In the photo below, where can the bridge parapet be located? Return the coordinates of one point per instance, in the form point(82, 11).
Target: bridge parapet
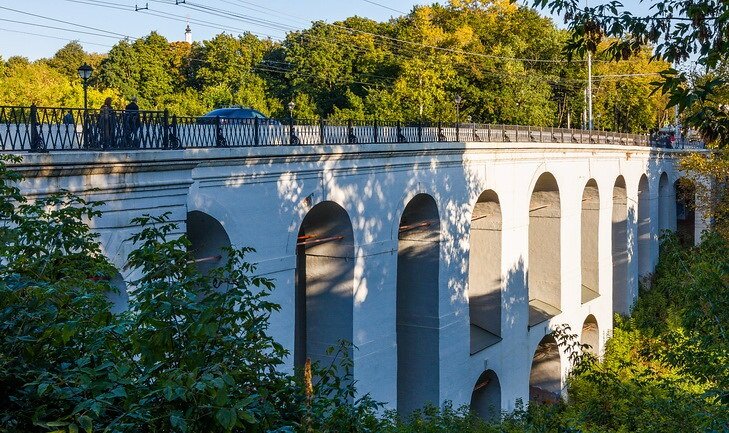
point(40, 129)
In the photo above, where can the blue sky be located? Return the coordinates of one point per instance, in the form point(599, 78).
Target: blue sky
point(107, 21)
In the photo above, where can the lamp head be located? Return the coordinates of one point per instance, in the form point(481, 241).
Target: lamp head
point(85, 71)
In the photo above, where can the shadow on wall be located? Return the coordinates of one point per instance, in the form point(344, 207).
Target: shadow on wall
point(486, 394)
point(620, 258)
point(644, 227)
point(417, 305)
point(484, 273)
point(324, 284)
point(544, 277)
point(589, 236)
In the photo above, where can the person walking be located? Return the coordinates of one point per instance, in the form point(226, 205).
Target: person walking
point(131, 123)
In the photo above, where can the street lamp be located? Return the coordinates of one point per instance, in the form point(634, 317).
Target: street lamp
point(458, 101)
point(292, 134)
point(85, 71)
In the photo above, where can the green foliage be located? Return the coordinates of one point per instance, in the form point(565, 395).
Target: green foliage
point(408, 68)
point(679, 31)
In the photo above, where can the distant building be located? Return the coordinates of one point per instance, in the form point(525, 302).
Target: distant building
point(188, 34)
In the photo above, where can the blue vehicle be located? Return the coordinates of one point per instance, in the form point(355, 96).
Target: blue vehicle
point(236, 115)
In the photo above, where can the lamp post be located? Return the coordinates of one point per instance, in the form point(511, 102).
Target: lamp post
point(85, 71)
point(458, 101)
point(292, 135)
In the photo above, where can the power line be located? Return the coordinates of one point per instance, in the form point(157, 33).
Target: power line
point(54, 37)
point(64, 22)
point(384, 6)
point(58, 28)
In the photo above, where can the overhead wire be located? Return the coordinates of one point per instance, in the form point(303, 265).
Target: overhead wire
point(64, 22)
point(384, 6)
point(53, 37)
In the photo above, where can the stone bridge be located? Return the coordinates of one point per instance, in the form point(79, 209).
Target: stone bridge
point(446, 263)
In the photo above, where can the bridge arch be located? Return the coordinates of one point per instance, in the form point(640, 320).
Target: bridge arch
point(645, 236)
point(590, 225)
point(484, 272)
point(544, 274)
point(685, 211)
point(545, 377)
point(591, 334)
point(666, 204)
point(324, 283)
point(208, 240)
point(486, 396)
point(621, 297)
point(417, 317)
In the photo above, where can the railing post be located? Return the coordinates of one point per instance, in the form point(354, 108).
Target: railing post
point(350, 132)
point(166, 129)
point(488, 132)
point(219, 138)
point(440, 131)
point(374, 131)
point(291, 131)
point(175, 138)
point(321, 131)
point(256, 133)
point(36, 142)
point(458, 138)
point(398, 132)
point(420, 130)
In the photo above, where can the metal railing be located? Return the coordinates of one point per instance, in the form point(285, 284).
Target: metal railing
point(40, 129)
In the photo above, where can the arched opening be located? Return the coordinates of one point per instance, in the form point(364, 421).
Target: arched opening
point(545, 378)
point(644, 227)
point(544, 275)
point(486, 397)
point(208, 241)
point(589, 242)
point(591, 334)
point(686, 212)
point(484, 273)
point(324, 284)
point(621, 299)
point(119, 297)
point(417, 305)
point(666, 204)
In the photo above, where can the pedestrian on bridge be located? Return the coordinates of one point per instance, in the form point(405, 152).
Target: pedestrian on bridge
point(107, 125)
point(131, 124)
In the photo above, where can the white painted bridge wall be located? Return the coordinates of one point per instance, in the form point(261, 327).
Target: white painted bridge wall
point(261, 195)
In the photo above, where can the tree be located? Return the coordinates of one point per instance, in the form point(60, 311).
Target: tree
point(68, 59)
point(677, 30)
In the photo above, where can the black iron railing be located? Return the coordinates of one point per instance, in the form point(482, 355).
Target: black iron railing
point(41, 129)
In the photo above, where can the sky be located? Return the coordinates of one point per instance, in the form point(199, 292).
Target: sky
point(98, 24)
